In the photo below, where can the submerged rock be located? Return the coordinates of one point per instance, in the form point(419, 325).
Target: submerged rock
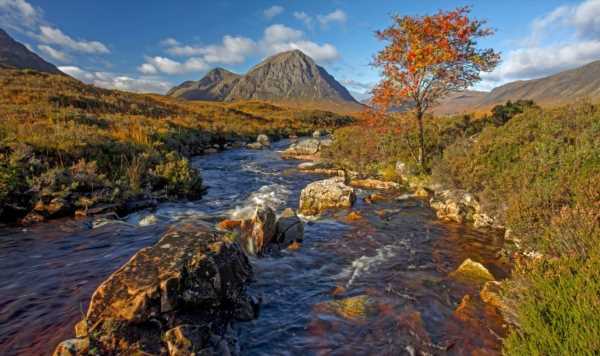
point(326, 194)
point(359, 307)
point(258, 232)
point(193, 278)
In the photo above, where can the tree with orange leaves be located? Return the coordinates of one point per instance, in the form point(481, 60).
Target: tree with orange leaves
point(428, 57)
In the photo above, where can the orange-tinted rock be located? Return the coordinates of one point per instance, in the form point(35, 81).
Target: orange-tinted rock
point(258, 232)
point(192, 273)
point(354, 216)
point(229, 225)
point(490, 294)
point(374, 184)
point(471, 271)
point(294, 246)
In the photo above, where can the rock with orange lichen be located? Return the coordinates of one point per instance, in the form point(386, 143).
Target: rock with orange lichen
point(326, 194)
point(192, 276)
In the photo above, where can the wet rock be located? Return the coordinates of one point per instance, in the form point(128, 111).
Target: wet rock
point(258, 232)
point(356, 308)
point(317, 134)
point(263, 140)
point(421, 192)
point(148, 220)
point(192, 275)
point(490, 294)
point(290, 229)
point(472, 271)
point(326, 194)
point(229, 225)
point(374, 184)
point(373, 198)
point(32, 217)
point(354, 216)
point(305, 147)
point(72, 347)
point(454, 205)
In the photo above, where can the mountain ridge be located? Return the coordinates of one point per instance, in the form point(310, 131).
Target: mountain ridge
point(14, 55)
point(286, 76)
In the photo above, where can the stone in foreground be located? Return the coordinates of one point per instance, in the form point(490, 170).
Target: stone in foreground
point(326, 194)
point(191, 285)
point(290, 229)
point(473, 271)
point(258, 232)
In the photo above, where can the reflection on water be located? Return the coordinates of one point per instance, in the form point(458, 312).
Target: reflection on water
point(374, 286)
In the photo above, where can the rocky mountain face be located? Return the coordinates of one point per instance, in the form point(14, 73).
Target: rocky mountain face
point(287, 76)
point(215, 86)
point(14, 55)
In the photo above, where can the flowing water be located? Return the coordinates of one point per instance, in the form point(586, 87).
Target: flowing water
point(376, 285)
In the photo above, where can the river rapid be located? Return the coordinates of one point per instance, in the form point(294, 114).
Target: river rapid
point(376, 285)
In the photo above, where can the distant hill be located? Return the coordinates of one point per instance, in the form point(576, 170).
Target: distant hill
point(215, 86)
point(285, 77)
point(14, 55)
point(557, 89)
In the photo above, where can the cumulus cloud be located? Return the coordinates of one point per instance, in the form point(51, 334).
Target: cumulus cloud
point(54, 53)
point(579, 26)
point(169, 66)
point(55, 36)
point(357, 86)
point(169, 42)
point(232, 50)
point(335, 16)
point(278, 38)
point(16, 14)
point(273, 11)
point(116, 81)
point(235, 50)
point(304, 18)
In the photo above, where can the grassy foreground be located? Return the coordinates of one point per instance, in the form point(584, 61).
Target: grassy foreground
point(66, 146)
point(539, 172)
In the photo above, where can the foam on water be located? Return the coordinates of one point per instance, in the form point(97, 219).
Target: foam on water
point(273, 196)
point(364, 264)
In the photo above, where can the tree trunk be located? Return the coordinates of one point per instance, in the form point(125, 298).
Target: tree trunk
point(421, 141)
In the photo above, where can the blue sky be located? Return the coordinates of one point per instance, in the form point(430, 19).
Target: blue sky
point(151, 45)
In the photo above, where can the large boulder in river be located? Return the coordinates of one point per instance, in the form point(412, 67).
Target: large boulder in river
point(193, 277)
point(304, 147)
point(326, 194)
point(257, 233)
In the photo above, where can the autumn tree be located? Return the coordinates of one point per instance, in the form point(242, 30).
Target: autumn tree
point(428, 57)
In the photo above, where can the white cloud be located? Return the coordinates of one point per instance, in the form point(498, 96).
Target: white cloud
point(232, 50)
point(577, 28)
point(54, 53)
point(55, 36)
point(335, 16)
point(169, 42)
point(278, 38)
point(119, 82)
point(170, 66)
point(305, 18)
point(147, 68)
point(273, 11)
point(357, 86)
point(16, 14)
point(235, 50)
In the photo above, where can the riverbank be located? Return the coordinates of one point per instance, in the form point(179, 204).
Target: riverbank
point(68, 148)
